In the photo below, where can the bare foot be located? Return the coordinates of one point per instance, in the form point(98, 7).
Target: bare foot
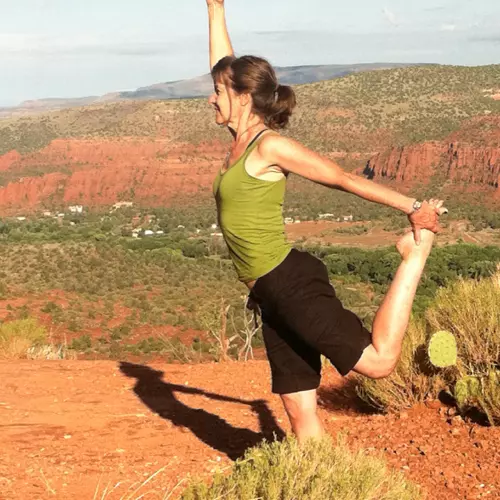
point(408, 248)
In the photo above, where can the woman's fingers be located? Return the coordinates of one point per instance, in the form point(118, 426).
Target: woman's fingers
point(438, 206)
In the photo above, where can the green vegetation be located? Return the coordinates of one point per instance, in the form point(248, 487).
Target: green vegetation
point(465, 310)
point(316, 470)
point(377, 267)
point(27, 338)
point(442, 349)
point(182, 279)
point(355, 231)
point(16, 337)
point(403, 106)
point(480, 391)
point(412, 382)
point(470, 311)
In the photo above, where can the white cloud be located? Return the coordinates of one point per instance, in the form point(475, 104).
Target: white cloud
point(448, 27)
point(41, 45)
point(390, 16)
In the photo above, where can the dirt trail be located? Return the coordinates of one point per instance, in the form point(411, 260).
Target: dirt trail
point(66, 427)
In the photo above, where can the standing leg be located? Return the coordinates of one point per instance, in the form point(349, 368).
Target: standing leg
point(296, 374)
point(302, 410)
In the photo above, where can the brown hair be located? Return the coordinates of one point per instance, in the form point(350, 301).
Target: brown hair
point(255, 76)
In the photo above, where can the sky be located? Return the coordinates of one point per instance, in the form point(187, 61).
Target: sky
point(76, 48)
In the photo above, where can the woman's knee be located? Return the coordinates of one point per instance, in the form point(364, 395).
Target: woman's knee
point(376, 365)
point(300, 405)
point(384, 369)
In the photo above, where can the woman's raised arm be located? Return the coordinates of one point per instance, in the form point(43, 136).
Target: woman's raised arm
point(220, 43)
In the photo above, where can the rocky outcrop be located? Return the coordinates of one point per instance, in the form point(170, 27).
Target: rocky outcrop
point(156, 172)
point(99, 173)
point(9, 160)
point(457, 163)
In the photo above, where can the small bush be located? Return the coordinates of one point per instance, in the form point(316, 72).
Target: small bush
point(51, 352)
point(471, 311)
point(316, 470)
point(411, 383)
point(353, 231)
point(83, 343)
point(16, 337)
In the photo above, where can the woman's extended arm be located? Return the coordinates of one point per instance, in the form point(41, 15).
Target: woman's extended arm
point(220, 43)
point(291, 156)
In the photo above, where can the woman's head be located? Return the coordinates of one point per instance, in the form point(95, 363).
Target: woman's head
point(248, 84)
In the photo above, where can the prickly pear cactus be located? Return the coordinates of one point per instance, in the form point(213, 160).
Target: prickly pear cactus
point(494, 378)
point(467, 390)
point(443, 349)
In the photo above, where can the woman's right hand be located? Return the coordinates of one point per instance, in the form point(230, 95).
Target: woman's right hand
point(215, 2)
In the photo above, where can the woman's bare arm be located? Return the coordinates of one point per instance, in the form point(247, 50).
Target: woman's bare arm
point(291, 156)
point(220, 43)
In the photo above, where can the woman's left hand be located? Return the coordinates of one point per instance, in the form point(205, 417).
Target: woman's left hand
point(427, 217)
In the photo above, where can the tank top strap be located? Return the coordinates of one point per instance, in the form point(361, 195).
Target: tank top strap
point(253, 143)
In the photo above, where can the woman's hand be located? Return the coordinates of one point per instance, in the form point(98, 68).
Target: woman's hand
point(215, 2)
point(427, 217)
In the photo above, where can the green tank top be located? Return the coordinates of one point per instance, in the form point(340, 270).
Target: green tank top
point(250, 214)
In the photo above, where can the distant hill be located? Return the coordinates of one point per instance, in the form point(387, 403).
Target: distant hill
point(294, 75)
point(200, 86)
point(365, 112)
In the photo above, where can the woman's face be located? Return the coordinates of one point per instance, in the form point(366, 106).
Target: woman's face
point(225, 102)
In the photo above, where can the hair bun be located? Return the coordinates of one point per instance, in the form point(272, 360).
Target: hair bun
point(281, 109)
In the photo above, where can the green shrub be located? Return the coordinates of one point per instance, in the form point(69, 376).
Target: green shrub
point(316, 470)
point(83, 343)
point(470, 310)
point(412, 381)
point(16, 337)
point(353, 231)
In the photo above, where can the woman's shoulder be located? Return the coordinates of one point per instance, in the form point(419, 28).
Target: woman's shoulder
point(269, 140)
point(273, 142)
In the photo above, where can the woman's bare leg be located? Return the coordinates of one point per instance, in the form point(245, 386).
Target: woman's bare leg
point(302, 410)
point(391, 321)
point(389, 327)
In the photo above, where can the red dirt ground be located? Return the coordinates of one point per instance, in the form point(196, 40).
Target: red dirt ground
point(71, 428)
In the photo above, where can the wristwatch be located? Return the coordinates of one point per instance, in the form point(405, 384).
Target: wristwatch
point(417, 205)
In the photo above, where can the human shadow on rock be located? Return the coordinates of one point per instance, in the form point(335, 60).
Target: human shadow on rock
point(160, 397)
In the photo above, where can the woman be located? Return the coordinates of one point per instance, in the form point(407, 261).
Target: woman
point(302, 317)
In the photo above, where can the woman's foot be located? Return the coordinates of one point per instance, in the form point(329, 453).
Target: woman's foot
point(408, 249)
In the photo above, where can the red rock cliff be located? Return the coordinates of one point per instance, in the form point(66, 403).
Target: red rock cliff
point(458, 163)
point(94, 173)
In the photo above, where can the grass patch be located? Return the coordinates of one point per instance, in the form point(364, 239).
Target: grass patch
point(353, 231)
point(316, 470)
point(17, 337)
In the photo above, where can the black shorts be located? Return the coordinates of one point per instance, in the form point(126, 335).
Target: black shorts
point(302, 318)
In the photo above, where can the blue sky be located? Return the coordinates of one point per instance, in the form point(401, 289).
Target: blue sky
point(61, 48)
